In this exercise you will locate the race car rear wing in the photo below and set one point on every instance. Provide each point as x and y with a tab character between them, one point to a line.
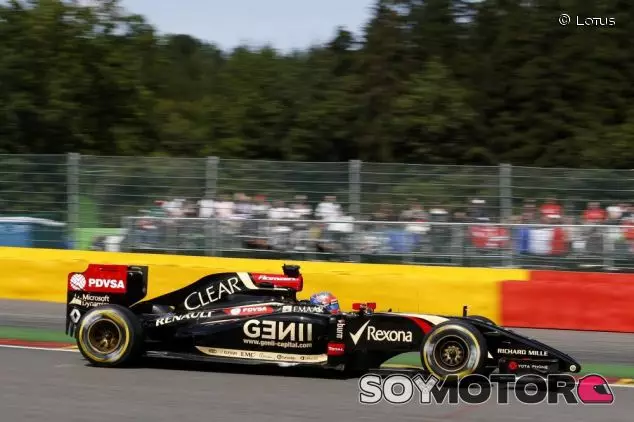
292	279
103	284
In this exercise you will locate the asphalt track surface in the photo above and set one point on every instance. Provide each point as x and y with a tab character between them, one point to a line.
58	386
54	386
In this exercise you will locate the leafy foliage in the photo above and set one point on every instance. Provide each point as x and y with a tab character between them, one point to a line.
429	82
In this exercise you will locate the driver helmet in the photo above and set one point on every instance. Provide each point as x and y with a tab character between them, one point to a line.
327	300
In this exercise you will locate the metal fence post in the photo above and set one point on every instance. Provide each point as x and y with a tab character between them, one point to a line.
506	192
211	177
211	189
354	188
608	247
506	207
354	202
72	197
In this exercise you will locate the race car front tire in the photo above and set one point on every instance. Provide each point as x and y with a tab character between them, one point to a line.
454	349
110	336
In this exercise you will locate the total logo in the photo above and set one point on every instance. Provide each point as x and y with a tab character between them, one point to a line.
336	349
391	336
78	282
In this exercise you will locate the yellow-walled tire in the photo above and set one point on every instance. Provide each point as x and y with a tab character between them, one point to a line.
110	336
454	349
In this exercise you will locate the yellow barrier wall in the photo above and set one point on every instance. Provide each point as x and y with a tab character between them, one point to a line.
41	274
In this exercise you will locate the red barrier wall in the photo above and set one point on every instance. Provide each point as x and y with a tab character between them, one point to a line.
570	300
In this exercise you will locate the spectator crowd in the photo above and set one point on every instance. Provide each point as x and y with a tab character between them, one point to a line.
243	223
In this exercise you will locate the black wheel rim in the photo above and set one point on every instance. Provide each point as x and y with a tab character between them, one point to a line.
104	336
451	353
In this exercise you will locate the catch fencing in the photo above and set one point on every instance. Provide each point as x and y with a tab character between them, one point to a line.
99	196
578	247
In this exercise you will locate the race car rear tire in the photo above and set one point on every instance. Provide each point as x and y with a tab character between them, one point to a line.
110	336
454	349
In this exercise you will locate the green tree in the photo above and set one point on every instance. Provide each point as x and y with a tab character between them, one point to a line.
432	118
442	81
327	120
383	63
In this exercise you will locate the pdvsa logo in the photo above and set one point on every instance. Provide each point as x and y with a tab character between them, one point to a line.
249	310
105	284
78	282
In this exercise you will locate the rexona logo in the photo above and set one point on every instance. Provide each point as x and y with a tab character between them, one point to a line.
391	336
278	330
212	294
186	317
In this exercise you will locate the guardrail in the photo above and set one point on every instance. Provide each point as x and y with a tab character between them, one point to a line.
560	246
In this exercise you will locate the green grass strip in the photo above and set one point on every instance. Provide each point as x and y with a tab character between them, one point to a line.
34	334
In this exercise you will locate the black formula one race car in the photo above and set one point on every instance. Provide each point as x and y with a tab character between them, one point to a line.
242	317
